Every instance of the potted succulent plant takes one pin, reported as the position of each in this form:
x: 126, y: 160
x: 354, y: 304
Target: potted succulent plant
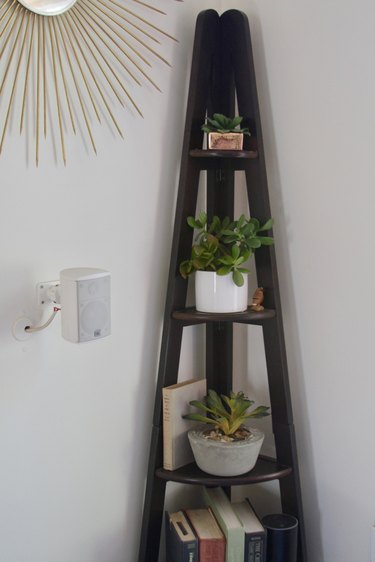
x: 224, y: 132
x: 225, y: 446
x: 218, y: 257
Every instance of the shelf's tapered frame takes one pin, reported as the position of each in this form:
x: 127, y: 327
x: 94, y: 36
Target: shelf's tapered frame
x: 222, y: 70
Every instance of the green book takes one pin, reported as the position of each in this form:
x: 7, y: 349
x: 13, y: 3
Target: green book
x: 231, y: 526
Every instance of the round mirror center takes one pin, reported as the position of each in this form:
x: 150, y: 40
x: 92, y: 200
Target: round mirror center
x: 48, y: 7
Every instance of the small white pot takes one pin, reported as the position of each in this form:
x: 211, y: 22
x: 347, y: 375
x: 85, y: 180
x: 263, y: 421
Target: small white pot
x: 225, y: 459
x: 219, y: 293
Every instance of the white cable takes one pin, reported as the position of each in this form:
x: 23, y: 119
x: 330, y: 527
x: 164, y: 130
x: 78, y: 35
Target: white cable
x: 39, y: 328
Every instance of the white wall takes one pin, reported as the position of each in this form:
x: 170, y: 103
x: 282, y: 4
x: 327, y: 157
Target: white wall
x: 316, y: 87
x: 75, y: 420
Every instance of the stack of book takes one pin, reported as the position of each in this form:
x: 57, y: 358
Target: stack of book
x: 219, y: 532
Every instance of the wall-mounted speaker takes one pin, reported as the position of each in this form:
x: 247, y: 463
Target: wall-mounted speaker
x: 85, y: 304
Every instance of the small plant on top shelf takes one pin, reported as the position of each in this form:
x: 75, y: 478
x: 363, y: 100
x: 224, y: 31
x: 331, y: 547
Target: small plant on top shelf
x: 229, y: 448
x: 224, y: 133
x: 222, y: 124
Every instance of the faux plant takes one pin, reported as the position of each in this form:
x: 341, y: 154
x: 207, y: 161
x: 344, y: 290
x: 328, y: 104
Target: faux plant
x: 224, y: 245
x: 222, y: 124
x: 226, y: 413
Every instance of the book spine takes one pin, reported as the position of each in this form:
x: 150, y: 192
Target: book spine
x: 254, y: 549
x: 212, y: 551
x: 234, y: 553
x: 178, y: 550
x: 190, y: 552
x: 235, y: 545
x: 167, y: 431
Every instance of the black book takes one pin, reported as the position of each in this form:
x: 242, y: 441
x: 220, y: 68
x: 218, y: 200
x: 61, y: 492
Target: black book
x: 181, y: 542
x: 255, y: 533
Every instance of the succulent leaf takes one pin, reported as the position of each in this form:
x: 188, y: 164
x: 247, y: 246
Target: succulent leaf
x: 227, y: 413
x: 238, y: 278
x: 215, y: 402
x: 222, y: 124
x: 235, y: 252
x: 199, y: 417
x: 225, y: 270
x: 202, y: 218
x: 267, y: 225
x: 254, y: 243
x: 265, y: 240
x: 224, y: 245
x: 259, y: 412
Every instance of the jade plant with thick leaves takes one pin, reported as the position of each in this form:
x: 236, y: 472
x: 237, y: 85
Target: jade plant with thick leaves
x: 225, y: 245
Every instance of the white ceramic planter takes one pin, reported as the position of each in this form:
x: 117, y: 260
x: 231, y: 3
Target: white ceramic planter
x: 225, y: 459
x: 219, y: 293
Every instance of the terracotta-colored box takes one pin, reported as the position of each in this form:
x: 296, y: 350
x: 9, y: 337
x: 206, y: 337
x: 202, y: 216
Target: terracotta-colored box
x: 225, y: 141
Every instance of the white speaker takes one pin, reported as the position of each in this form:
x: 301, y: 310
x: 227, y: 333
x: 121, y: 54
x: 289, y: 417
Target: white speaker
x: 85, y: 304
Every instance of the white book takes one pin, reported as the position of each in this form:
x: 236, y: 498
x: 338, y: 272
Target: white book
x: 217, y: 500
x: 176, y: 447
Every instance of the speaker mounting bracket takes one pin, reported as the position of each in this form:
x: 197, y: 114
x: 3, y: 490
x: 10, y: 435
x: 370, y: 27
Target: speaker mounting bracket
x: 48, y: 294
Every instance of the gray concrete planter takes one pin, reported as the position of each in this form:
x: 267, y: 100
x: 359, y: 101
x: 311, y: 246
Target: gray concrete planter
x: 225, y: 458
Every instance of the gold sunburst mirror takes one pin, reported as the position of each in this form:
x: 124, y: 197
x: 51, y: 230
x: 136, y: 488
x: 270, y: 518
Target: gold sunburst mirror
x: 48, y: 7
x: 65, y: 64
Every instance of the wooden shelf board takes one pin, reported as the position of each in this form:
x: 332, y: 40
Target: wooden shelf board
x: 229, y: 160
x: 266, y: 469
x: 191, y: 316
x: 199, y: 153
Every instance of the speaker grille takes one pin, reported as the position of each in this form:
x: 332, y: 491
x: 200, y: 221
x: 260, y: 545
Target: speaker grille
x: 94, y: 319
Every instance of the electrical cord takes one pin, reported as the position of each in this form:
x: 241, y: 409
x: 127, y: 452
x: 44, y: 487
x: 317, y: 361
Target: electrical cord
x: 46, y: 324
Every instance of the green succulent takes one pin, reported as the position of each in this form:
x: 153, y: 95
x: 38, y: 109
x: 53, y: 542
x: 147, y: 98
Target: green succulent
x: 224, y: 245
x: 226, y: 413
x: 222, y: 124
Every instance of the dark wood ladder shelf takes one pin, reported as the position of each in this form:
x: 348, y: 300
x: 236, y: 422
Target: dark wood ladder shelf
x: 222, y: 74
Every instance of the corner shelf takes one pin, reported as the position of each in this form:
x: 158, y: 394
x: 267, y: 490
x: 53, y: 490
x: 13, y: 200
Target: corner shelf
x: 219, y: 77
x: 266, y: 469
